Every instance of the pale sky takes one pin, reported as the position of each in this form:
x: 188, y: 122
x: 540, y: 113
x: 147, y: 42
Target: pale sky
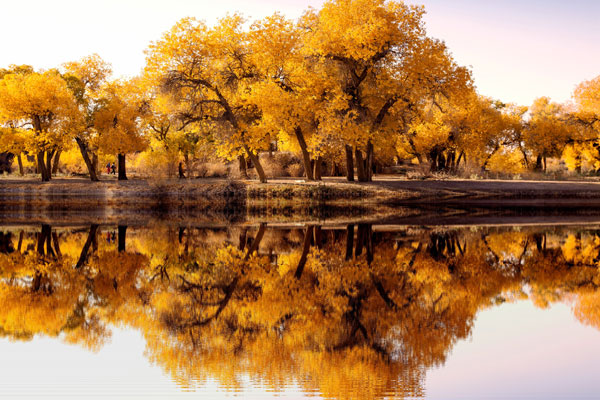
x: 518, y: 49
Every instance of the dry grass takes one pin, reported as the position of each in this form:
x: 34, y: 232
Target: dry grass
x: 211, y: 170
x: 281, y: 164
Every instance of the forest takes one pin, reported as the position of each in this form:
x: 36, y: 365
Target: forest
x: 352, y: 89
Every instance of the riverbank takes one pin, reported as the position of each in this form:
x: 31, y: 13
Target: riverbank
x: 78, y: 193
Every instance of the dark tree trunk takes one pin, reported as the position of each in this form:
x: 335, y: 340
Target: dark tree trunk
x: 122, y: 170
x: 83, y: 256
x: 43, y: 236
x: 545, y: 166
x: 95, y: 163
x: 360, y: 241
x: 349, y: 241
x: 92, y: 168
x: 56, y: 162
x: 305, y: 154
x: 49, y: 155
x: 20, y: 243
x: 243, y: 235
x: 256, y: 162
x: 56, y: 244
x: 369, y: 162
x: 20, y: 162
x: 317, y: 169
x: 305, y: 249
x: 349, y: 164
x: 243, y: 167
x: 360, y: 166
x: 334, y: 169
x: 538, y: 163
x: 122, y: 238
x: 441, y: 161
x: 41, y: 166
x: 256, y: 242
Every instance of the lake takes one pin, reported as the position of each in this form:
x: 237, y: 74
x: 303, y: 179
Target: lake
x: 324, y: 308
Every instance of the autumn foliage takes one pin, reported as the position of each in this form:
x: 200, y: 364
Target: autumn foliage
x: 351, y: 88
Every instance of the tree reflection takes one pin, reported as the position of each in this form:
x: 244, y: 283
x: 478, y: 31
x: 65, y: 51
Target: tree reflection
x: 354, y: 312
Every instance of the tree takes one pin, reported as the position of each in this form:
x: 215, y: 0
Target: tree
x: 383, y: 66
x: 210, y: 71
x: 118, y: 122
x: 547, y: 132
x: 41, y: 103
x: 85, y: 79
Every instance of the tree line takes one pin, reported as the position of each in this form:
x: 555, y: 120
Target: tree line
x: 354, y: 86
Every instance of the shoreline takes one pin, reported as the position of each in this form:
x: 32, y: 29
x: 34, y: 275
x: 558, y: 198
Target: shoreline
x: 81, y: 194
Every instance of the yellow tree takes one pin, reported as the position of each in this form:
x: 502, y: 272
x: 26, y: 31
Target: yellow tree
x: 42, y: 103
x: 118, y: 123
x: 383, y: 66
x: 547, y: 132
x: 210, y: 71
x: 290, y: 92
x: 85, y: 78
x: 586, y: 118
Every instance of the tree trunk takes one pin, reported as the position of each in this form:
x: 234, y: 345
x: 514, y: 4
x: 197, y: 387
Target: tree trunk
x: 369, y: 162
x: 95, y: 163
x: 56, y: 162
x: 83, y: 255
x: 349, y: 164
x: 349, y: 241
x: 305, y: 250
x: 122, y: 170
x: 20, y: 162
x: 122, y: 232
x: 544, y: 163
x: 334, y: 170
x: 317, y: 169
x: 88, y: 163
x: 489, y: 157
x: 433, y: 155
x: 49, y: 155
x: 259, y: 169
x: 243, y: 167
x: 305, y: 154
x: 441, y: 161
x: 538, y: 163
x: 41, y: 166
x: 360, y: 166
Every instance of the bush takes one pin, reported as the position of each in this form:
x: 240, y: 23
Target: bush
x: 278, y: 164
x: 295, y: 170
x: 211, y: 170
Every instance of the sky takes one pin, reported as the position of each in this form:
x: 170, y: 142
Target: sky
x: 518, y: 50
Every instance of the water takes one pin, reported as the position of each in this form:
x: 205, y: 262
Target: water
x: 166, y: 308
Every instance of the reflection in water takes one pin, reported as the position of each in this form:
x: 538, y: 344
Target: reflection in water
x: 359, y: 311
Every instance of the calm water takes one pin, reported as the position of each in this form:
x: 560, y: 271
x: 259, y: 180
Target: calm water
x: 300, y: 311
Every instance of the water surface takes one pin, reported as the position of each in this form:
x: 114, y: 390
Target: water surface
x: 340, y: 311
